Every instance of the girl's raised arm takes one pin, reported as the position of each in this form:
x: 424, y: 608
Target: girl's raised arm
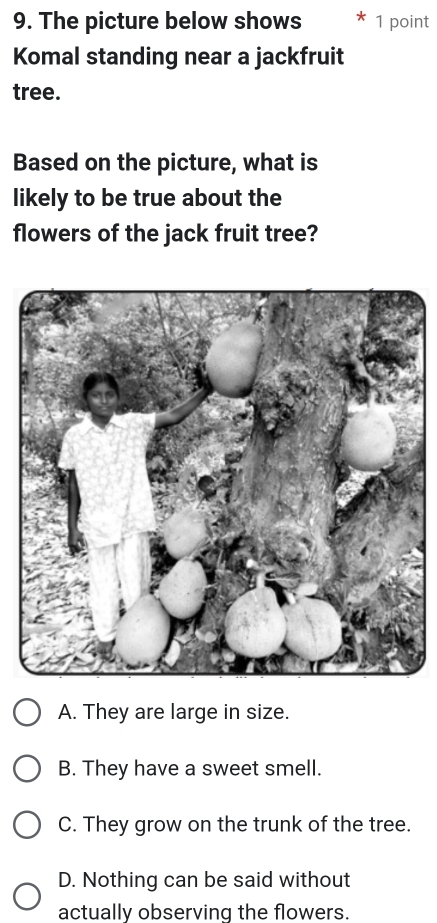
x: 179, y: 413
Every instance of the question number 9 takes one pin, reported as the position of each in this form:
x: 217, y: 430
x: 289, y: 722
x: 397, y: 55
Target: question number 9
x: 19, y: 20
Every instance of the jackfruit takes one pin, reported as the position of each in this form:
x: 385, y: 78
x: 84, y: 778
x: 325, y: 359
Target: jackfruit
x: 369, y: 439
x: 313, y: 628
x: 255, y: 625
x: 184, y: 531
x: 182, y: 590
x: 143, y: 633
x: 232, y: 360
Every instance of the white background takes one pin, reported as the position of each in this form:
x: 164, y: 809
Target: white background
x: 369, y: 125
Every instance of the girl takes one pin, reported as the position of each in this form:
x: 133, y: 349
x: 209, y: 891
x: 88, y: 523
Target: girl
x: 108, y: 483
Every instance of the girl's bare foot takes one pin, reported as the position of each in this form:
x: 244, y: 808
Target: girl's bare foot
x: 105, y: 648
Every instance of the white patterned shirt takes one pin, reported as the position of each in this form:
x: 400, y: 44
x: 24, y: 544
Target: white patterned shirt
x: 110, y: 466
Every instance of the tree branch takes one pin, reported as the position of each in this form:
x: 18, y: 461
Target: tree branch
x: 165, y: 335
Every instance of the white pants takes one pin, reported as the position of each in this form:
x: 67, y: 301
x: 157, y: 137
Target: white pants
x: 128, y: 564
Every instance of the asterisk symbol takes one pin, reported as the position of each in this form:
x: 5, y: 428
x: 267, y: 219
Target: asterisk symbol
x: 361, y: 15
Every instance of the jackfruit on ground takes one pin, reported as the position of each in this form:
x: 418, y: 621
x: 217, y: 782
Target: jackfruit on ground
x: 255, y: 624
x: 313, y: 628
x: 143, y: 632
x: 368, y: 440
x: 184, y: 531
x: 232, y: 360
x: 182, y: 590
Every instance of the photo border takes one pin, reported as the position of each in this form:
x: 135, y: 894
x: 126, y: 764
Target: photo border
x: 274, y: 676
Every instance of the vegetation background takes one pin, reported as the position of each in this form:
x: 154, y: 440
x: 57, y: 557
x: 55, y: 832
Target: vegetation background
x: 154, y: 344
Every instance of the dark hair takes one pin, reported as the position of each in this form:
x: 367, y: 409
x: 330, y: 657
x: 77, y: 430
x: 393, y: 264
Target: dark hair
x: 99, y: 378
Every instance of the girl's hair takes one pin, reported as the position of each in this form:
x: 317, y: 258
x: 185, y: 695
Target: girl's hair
x: 99, y: 378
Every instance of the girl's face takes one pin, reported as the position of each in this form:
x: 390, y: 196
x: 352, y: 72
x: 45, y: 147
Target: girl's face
x: 102, y: 402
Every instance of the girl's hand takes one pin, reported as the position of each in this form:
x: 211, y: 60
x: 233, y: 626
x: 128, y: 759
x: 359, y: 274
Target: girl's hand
x: 76, y: 541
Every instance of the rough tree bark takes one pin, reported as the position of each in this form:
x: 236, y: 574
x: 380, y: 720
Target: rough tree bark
x: 284, y: 497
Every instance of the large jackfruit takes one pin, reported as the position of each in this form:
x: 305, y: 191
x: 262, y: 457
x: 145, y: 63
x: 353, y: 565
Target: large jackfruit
x: 143, y: 633
x: 313, y: 628
x: 368, y: 440
x: 232, y: 360
x: 184, y: 531
x: 182, y: 590
x: 255, y: 624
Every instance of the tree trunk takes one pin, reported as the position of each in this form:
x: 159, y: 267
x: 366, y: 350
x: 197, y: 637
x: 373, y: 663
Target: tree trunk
x: 382, y: 522
x: 284, y: 497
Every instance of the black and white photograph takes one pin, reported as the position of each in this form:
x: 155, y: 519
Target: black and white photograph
x: 222, y: 483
